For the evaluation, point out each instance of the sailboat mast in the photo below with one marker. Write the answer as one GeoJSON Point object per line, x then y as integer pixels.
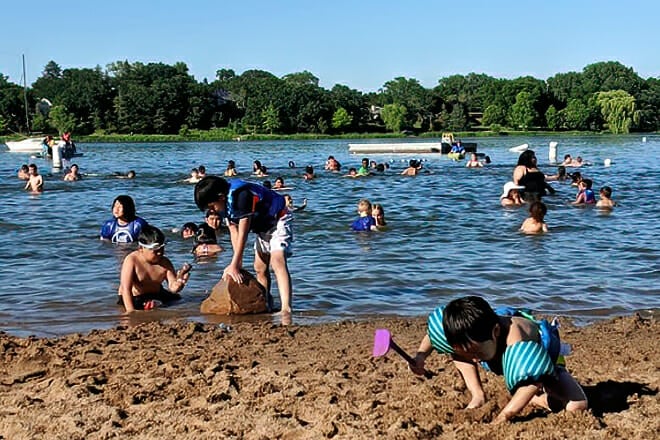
{"type": "Point", "coordinates": [25, 100]}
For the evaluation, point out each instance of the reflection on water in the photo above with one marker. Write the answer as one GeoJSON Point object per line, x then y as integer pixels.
{"type": "Point", "coordinates": [446, 235]}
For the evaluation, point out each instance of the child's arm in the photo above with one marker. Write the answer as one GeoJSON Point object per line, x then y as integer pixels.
{"type": "Point", "coordinates": [424, 350]}
{"type": "Point", "coordinates": [175, 281]}
{"type": "Point", "coordinates": [470, 375]}
{"type": "Point", "coordinates": [126, 283]}
{"type": "Point", "coordinates": [520, 399]}
{"type": "Point", "coordinates": [580, 198]}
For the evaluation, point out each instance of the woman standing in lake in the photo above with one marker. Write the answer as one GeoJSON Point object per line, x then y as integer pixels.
{"type": "Point", "coordinates": [527, 174]}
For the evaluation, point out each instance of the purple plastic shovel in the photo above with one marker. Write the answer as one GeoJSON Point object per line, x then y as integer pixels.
{"type": "Point", "coordinates": [383, 342]}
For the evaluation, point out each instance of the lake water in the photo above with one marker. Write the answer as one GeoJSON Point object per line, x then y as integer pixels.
{"type": "Point", "coordinates": [447, 234]}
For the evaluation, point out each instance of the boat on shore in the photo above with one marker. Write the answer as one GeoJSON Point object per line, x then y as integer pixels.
{"type": "Point", "coordinates": [443, 147]}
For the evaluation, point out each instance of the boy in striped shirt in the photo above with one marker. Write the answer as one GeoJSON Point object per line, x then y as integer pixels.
{"type": "Point", "coordinates": [525, 351]}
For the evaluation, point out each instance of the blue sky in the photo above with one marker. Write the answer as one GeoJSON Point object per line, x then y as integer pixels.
{"type": "Point", "coordinates": [361, 44]}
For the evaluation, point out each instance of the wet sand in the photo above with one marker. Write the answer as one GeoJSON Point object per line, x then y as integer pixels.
{"type": "Point", "coordinates": [262, 381]}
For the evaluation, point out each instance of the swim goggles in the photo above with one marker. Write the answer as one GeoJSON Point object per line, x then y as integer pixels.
{"type": "Point", "coordinates": [152, 246]}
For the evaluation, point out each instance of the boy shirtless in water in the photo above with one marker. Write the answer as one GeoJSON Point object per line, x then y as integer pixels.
{"type": "Point", "coordinates": [144, 270]}
{"type": "Point", "coordinates": [35, 183]}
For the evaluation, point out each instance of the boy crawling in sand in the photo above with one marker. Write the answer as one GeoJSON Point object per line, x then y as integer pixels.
{"type": "Point", "coordinates": [525, 351]}
{"type": "Point", "coordinates": [144, 270]}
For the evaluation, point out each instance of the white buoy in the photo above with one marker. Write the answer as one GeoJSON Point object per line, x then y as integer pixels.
{"type": "Point", "coordinates": [607, 162]}
{"type": "Point", "coordinates": [552, 152]}
{"type": "Point", "coordinates": [644, 139]}
{"type": "Point", "coordinates": [57, 155]}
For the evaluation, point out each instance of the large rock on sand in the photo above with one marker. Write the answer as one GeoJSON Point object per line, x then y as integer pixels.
{"type": "Point", "coordinates": [230, 298]}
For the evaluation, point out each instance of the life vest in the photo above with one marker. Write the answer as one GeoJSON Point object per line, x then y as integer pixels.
{"type": "Point", "coordinates": [267, 205]}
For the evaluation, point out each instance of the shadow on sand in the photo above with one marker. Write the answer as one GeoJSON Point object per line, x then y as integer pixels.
{"type": "Point", "coordinates": [612, 396]}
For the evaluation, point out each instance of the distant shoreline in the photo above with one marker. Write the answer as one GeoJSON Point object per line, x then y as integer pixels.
{"type": "Point", "coordinates": [223, 136]}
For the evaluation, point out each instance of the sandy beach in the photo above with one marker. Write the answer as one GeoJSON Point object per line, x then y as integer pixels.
{"type": "Point", "coordinates": [262, 381]}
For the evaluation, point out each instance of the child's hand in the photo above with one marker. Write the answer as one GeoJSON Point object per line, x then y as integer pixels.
{"type": "Point", "coordinates": [418, 366]}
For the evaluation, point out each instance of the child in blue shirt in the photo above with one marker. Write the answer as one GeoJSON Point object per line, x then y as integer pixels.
{"type": "Point", "coordinates": [365, 222]}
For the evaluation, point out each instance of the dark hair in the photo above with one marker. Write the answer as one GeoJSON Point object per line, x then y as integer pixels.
{"type": "Point", "coordinates": [526, 158]}
{"type": "Point", "coordinates": [588, 183]}
{"type": "Point", "coordinates": [128, 204]}
{"type": "Point", "coordinates": [33, 165]}
{"type": "Point", "coordinates": [24, 167]}
{"type": "Point", "coordinates": [309, 169]}
{"type": "Point", "coordinates": [209, 189]}
{"type": "Point", "coordinates": [365, 159]}
{"type": "Point", "coordinates": [537, 211]}
{"type": "Point", "coordinates": [256, 165]}
{"type": "Point", "coordinates": [194, 170]}
{"type": "Point", "coordinates": [567, 156]}
{"type": "Point", "coordinates": [205, 235]}
{"type": "Point", "coordinates": [352, 169]}
{"type": "Point", "coordinates": [231, 164]}
{"type": "Point", "coordinates": [380, 168]}
{"type": "Point", "coordinates": [607, 191]}
{"type": "Point", "coordinates": [130, 172]}
{"type": "Point", "coordinates": [189, 225]}
{"type": "Point", "coordinates": [561, 172]}
{"type": "Point", "coordinates": [210, 212]}
{"type": "Point", "coordinates": [267, 184]}
{"type": "Point", "coordinates": [280, 178]}
{"type": "Point", "coordinates": [576, 176]}
{"type": "Point", "coordinates": [412, 163]}
{"type": "Point", "coordinates": [150, 235]}
{"type": "Point", "coordinates": [201, 169]}
{"type": "Point", "coordinates": [468, 319]}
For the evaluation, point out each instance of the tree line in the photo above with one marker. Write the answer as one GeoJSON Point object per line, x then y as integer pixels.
{"type": "Point", "coordinates": [156, 98]}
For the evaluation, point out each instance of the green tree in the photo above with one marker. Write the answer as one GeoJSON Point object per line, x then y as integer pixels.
{"type": "Point", "coordinates": [566, 86]}
{"type": "Point", "coordinates": [523, 113]}
{"type": "Point", "coordinates": [271, 118]}
{"type": "Point", "coordinates": [393, 115]}
{"type": "Point", "coordinates": [409, 93]}
{"type": "Point", "coordinates": [12, 108]}
{"type": "Point", "coordinates": [341, 119]}
{"type": "Point", "coordinates": [618, 110]}
{"type": "Point", "coordinates": [457, 118]}
{"type": "Point", "coordinates": [494, 114]}
{"type": "Point", "coordinates": [552, 118]}
{"type": "Point", "coordinates": [575, 116]}
{"type": "Point", "coordinates": [354, 102]}
{"type": "Point", "coordinates": [611, 75]}
{"type": "Point", "coordinates": [62, 120]}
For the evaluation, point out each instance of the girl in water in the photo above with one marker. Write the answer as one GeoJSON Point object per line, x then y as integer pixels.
{"type": "Point", "coordinates": [124, 226]}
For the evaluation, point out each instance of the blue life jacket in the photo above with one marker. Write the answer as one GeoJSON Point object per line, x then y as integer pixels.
{"type": "Point", "coordinates": [267, 205]}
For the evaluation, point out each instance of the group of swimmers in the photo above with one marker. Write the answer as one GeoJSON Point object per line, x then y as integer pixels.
{"type": "Point", "coordinates": [529, 184]}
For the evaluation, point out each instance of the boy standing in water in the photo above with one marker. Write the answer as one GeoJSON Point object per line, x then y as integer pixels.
{"type": "Point", "coordinates": [535, 223]}
{"type": "Point", "coordinates": [523, 350]}
{"type": "Point", "coordinates": [144, 270]}
{"type": "Point", "coordinates": [252, 207]}
{"type": "Point", "coordinates": [35, 183]}
{"type": "Point", "coordinates": [606, 201]}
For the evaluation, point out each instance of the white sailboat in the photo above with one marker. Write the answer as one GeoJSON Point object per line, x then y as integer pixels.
{"type": "Point", "coordinates": [29, 145]}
